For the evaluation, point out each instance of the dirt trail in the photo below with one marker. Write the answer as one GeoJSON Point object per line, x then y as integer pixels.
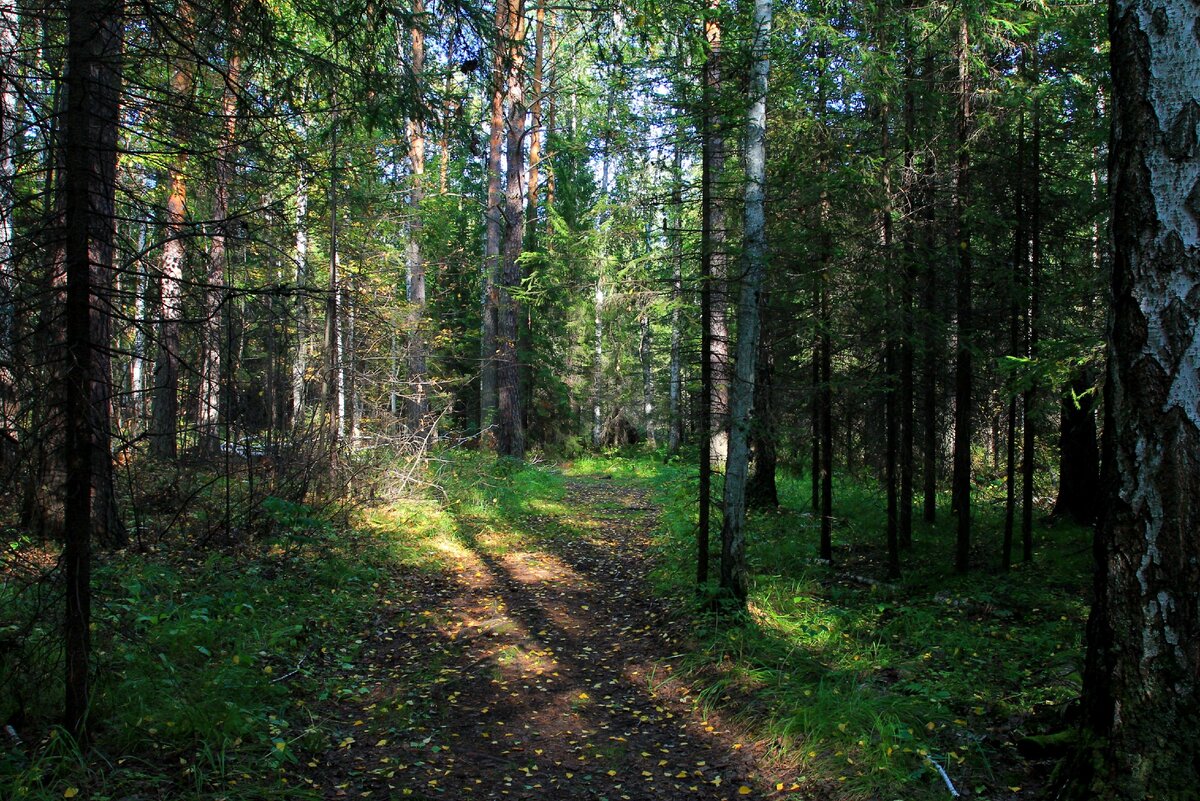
{"type": "Point", "coordinates": [547, 677]}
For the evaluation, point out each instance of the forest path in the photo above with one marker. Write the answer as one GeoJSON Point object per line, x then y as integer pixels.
{"type": "Point", "coordinates": [537, 668]}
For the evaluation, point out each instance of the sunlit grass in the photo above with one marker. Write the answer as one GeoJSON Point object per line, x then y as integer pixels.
{"type": "Point", "coordinates": [866, 679]}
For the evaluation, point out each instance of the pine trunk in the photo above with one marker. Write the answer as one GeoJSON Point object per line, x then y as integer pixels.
{"type": "Point", "coordinates": [165, 423]}
{"type": "Point", "coordinates": [511, 435]}
{"type": "Point", "coordinates": [417, 405]}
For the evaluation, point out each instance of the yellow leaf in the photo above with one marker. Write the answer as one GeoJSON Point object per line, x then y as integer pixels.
{"type": "Point", "coordinates": [1015, 789]}
{"type": "Point", "coordinates": [70, 792]}
{"type": "Point", "coordinates": [743, 790]}
{"type": "Point", "coordinates": [931, 725]}
{"type": "Point", "coordinates": [381, 744]}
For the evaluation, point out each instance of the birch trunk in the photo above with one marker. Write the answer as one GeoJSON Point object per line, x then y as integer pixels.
{"type": "Point", "coordinates": [733, 538]}
{"type": "Point", "coordinates": [300, 360]}
{"type": "Point", "coordinates": [1141, 692]}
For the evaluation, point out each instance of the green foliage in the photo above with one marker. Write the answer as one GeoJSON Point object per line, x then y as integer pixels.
{"type": "Point", "coordinates": [208, 663]}
{"type": "Point", "coordinates": [863, 680]}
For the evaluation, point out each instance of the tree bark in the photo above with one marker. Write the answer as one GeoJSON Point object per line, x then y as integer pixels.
{"type": "Point", "coordinates": [1141, 712]}
{"type": "Point", "coordinates": [717, 259]}
{"type": "Point", "coordinates": [417, 405]}
{"type": "Point", "coordinates": [489, 301]}
{"type": "Point", "coordinates": [208, 411]}
{"type": "Point", "coordinates": [647, 379]}
{"type": "Point", "coordinates": [333, 398]}
{"type": "Point", "coordinates": [89, 185]}
{"type": "Point", "coordinates": [1033, 322]}
{"type": "Point", "coordinates": [299, 363]}
{"type": "Point", "coordinates": [675, 431]}
{"type": "Point", "coordinates": [734, 579]}
{"type": "Point", "coordinates": [511, 434]}
{"type": "Point", "coordinates": [1020, 256]}
{"type": "Point", "coordinates": [962, 367]}
{"type": "Point", "coordinates": [165, 424]}
{"type": "Point", "coordinates": [907, 285]}
{"type": "Point", "coordinates": [761, 490]}
{"type": "Point", "coordinates": [9, 31]}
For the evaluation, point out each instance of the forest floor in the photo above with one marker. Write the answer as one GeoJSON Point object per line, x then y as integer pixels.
{"type": "Point", "coordinates": [539, 669]}
{"type": "Point", "coordinates": [534, 632]}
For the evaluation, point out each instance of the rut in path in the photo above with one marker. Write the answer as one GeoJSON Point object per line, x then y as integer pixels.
{"type": "Point", "coordinates": [549, 678]}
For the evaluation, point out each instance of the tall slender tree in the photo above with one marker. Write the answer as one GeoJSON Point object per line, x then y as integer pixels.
{"type": "Point", "coordinates": [89, 142]}
{"type": "Point", "coordinates": [963, 303]}
{"type": "Point", "coordinates": [511, 435]}
{"type": "Point", "coordinates": [165, 431]}
{"type": "Point", "coordinates": [754, 266]}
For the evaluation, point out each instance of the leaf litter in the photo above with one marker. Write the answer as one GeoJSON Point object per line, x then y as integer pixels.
{"type": "Point", "coordinates": [537, 673]}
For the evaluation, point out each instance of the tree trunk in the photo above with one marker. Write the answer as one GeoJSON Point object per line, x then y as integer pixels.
{"type": "Point", "coordinates": [9, 31]}
{"type": "Point", "coordinates": [1141, 711]}
{"type": "Point", "coordinates": [332, 380]}
{"type": "Point", "coordinates": [891, 347]}
{"type": "Point", "coordinates": [717, 258]}
{"type": "Point", "coordinates": [1020, 256]}
{"type": "Point", "coordinates": [89, 187]}
{"type": "Point", "coordinates": [1029, 400]}
{"type": "Point", "coordinates": [299, 364]}
{"type": "Point", "coordinates": [165, 423]}
{"type": "Point", "coordinates": [907, 285]}
{"type": "Point", "coordinates": [675, 432]}
{"type": "Point", "coordinates": [761, 490]}
{"type": "Point", "coordinates": [511, 435]}
{"type": "Point", "coordinates": [493, 231]}
{"type": "Point", "coordinates": [1079, 455]}
{"type": "Point", "coordinates": [962, 367]}
{"type": "Point", "coordinates": [734, 579]}
{"type": "Point", "coordinates": [417, 406]}
{"type": "Point", "coordinates": [647, 379]}
{"type": "Point", "coordinates": [208, 411]}
{"type": "Point", "coordinates": [598, 363]}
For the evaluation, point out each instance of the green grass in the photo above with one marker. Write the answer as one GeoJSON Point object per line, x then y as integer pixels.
{"type": "Point", "coordinates": [214, 668]}
{"type": "Point", "coordinates": [207, 665]}
{"type": "Point", "coordinates": [864, 681]}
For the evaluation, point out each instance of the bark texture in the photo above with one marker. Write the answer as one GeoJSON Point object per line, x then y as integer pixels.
{"type": "Point", "coordinates": [1142, 675]}
{"type": "Point", "coordinates": [754, 263]}
{"type": "Point", "coordinates": [510, 439]}
{"type": "Point", "coordinates": [89, 187]}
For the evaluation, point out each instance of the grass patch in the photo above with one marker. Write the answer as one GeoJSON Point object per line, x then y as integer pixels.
{"type": "Point", "coordinates": [209, 665]}
{"type": "Point", "coordinates": [865, 681]}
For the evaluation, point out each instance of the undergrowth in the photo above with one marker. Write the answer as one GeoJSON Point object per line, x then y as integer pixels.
{"type": "Point", "coordinates": [214, 665]}
{"type": "Point", "coordinates": [871, 684]}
